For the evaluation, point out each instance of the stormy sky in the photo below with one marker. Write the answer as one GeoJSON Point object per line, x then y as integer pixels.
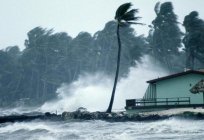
{"type": "Point", "coordinates": [17, 17]}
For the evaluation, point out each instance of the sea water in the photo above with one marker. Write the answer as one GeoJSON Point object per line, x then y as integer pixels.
{"type": "Point", "coordinates": [93, 92]}
{"type": "Point", "coordinates": [101, 130]}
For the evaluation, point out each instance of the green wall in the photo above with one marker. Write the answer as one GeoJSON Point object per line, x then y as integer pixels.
{"type": "Point", "coordinates": [179, 87]}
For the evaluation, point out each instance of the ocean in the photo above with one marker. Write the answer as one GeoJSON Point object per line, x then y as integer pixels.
{"type": "Point", "coordinates": [179, 129]}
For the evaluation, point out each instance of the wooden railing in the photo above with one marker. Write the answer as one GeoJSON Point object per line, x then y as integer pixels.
{"type": "Point", "coordinates": [158, 101]}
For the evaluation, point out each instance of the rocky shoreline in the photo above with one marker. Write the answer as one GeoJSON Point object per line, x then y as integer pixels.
{"type": "Point", "coordinates": [82, 114]}
{"type": "Point", "coordinates": [123, 116]}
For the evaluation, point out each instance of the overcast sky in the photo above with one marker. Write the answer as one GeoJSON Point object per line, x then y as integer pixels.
{"type": "Point", "coordinates": [17, 17]}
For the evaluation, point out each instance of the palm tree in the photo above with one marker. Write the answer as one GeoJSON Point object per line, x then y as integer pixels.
{"type": "Point", "coordinates": [124, 17]}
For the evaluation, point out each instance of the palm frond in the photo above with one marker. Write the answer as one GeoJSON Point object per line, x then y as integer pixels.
{"type": "Point", "coordinates": [122, 10]}
{"type": "Point", "coordinates": [157, 8]}
{"type": "Point", "coordinates": [130, 15]}
{"type": "Point", "coordinates": [130, 22]}
{"type": "Point", "coordinates": [126, 19]}
{"type": "Point", "coordinates": [130, 18]}
{"type": "Point", "coordinates": [126, 16]}
{"type": "Point", "coordinates": [133, 11]}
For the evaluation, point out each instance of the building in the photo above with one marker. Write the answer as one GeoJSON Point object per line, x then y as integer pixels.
{"type": "Point", "coordinates": [172, 91]}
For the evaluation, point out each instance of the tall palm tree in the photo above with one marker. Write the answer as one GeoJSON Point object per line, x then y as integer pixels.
{"type": "Point", "coordinates": [124, 17]}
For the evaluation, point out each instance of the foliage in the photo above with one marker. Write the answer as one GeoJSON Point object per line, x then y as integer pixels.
{"type": "Point", "coordinates": [194, 40]}
{"type": "Point", "coordinates": [32, 76]}
{"type": "Point", "coordinates": [124, 17]}
{"type": "Point", "coordinates": [165, 37]}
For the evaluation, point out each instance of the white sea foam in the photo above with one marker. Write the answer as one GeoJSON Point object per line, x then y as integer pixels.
{"type": "Point", "coordinates": [93, 91]}
{"type": "Point", "coordinates": [102, 130]}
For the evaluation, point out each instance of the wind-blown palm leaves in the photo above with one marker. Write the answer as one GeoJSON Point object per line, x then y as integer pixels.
{"type": "Point", "coordinates": [194, 39]}
{"type": "Point", "coordinates": [165, 37]}
{"type": "Point", "coordinates": [124, 17]}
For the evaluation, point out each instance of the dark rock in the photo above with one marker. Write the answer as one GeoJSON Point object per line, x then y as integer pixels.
{"type": "Point", "coordinates": [83, 114]}
{"type": "Point", "coordinates": [200, 115]}
{"type": "Point", "coordinates": [18, 118]}
{"type": "Point", "coordinates": [81, 109]}
{"type": "Point", "coordinates": [47, 114]}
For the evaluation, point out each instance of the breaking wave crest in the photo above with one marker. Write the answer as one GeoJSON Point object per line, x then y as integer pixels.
{"type": "Point", "coordinates": [93, 91]}
{"type": "Point", "coordinates": [102, 130]}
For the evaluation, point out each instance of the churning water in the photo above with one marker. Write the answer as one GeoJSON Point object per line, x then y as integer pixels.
{"type": "Point", "coordinates": [93, 92]}
{"type": "Point", "coordinates": [101, 130]}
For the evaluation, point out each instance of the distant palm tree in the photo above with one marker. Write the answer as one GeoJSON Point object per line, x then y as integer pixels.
{"type": "Point", "coordinates": [124, 17]}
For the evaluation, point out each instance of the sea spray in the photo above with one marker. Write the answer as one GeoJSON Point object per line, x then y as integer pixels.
{"type": "Point", "coordinates": [173, 128]}
{"type": "Point", "coordinates": [93, 91]}
{"type": "Point", "coordinates": [88, 91]}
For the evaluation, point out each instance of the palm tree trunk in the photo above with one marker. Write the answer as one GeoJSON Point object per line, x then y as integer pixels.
{"type": "Point", "coordinates": [117, 72]}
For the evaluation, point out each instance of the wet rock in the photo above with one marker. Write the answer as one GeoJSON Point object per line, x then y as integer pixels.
{"type": "Point", "coordinates": [48, 114]}
{"type": "Point", "coordinates": [200, 115]}
{"type": "Point", "coordinates": [18, 118]}
{"type": "Point", "coordinates": [81, 109]}
{"type": "Point", "coordinates": [51, 116]}
{"type": "Point", "coordinates": [99, 115]}
{"type": "Point", "coordinates": [190, 115]}
{"type": "Point", "coordinates": [83, 114]}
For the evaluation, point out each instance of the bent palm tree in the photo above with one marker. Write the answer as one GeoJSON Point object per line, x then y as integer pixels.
{"type": "Point", "coordinates": [124, 17]}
